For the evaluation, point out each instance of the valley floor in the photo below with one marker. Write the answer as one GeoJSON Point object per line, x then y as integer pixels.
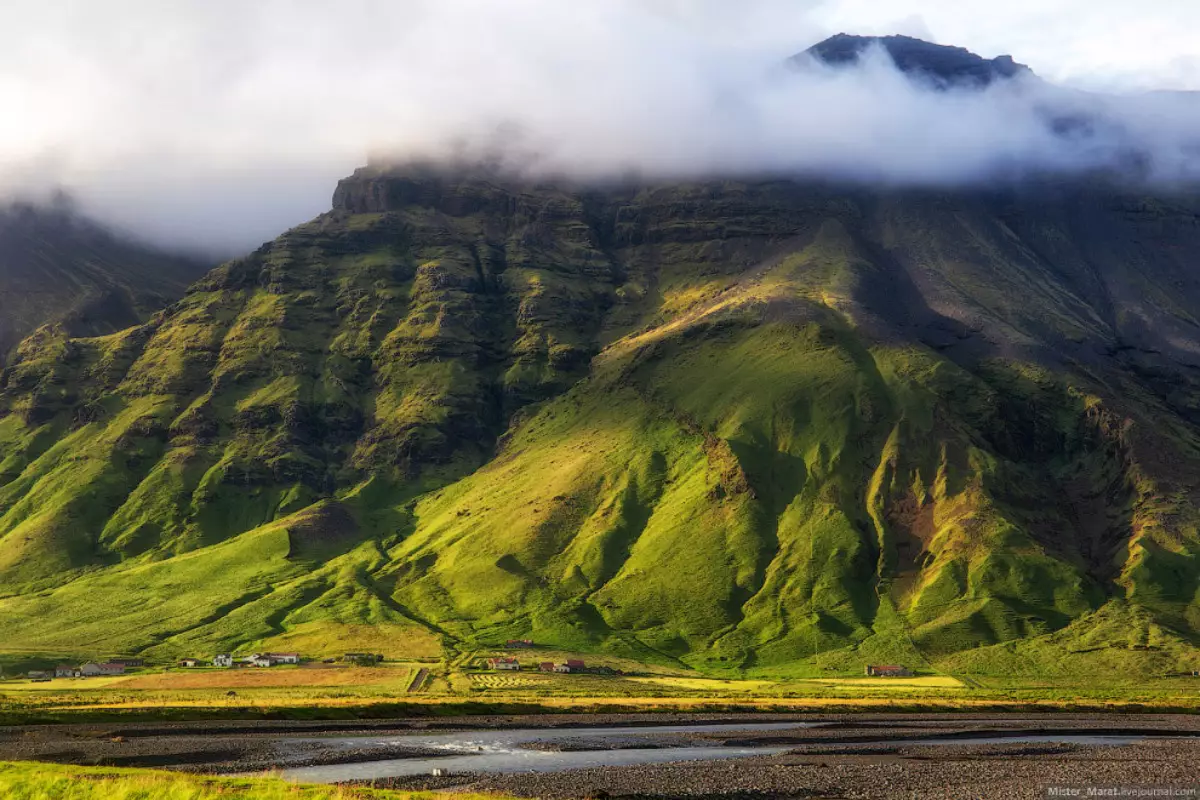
{"type": "Point", "coordinates": [338, 722]}
{"type": "Point", "coordinates": [463, 685]}
{"type": "Point", "coordinates": [394, 689]}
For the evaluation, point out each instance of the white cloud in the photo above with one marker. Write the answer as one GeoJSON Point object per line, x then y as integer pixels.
{"type": "Point", "coordinates": [223, 122]}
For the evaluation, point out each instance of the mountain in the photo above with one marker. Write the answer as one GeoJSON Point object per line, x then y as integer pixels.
{"type": "Point", "coordinates": [940, 65]}
{"type": "Point", "coordinates": [770, 426]}
{"type": "Point", "coordinates": [739, 424]}
{"type": "Point", "coordinates": [57, 266]}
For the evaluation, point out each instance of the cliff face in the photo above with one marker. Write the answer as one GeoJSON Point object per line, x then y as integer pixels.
{"type": "Point", "coordinates": [739, 424]}
{"type": "Point", "coordinates": [57, 267]}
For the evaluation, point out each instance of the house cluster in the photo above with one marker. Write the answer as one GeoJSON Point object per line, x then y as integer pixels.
{"type": "Point", "coordinates": [255, 660]}
{"type": "Point", "coordinates": [90, 669]}
{"type": "Point", "coordinates": [570, 665]}
{"type": "Point", "coordinates": [888, 671]}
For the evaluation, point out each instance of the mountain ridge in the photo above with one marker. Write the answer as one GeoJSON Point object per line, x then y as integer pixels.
{"type": "Point", "coordinates": [943, 65]}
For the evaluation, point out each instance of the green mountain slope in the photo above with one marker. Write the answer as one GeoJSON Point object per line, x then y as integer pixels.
{"type": "Point", "coordinates": [57, 267]}
{"type": "Point", "coordinates": [754, 426]}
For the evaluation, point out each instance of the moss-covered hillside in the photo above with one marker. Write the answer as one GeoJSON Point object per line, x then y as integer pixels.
{"type": "Point", "coordinates": [761, 426]}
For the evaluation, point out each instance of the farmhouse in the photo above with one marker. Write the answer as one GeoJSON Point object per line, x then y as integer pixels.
{"type": "Point", "coordinates": [66, 671]}
{"type": "Point", "coordinates": [284, 658]}
{"type": "Point", "coordinates": [110, 668]}
{"type": "Point", "coordinates": [261, 660]}
{"type": "Point", "coordinates": [546, 666]}
{"type": "Point", "coordinates": [189, 662]}
{"type": "Point", "coordinates": [888, 671]}
{"type": "Point", "coordinates": [40, 675]}
{"type": "Point", "coordinates": [222, 660]}
{"type": "Point", "coordinates": [504, 662]}
{"type": "Point", "coordinates": [92, 669]}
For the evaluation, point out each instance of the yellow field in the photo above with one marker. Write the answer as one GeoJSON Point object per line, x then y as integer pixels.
{"type": "Point", "coordinates": [922, 682]}
{"type": "Point", "coordinates": [705, 684]}
{"type": "Point", "coordinates": [273, 677]}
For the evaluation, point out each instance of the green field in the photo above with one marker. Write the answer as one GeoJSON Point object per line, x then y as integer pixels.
{"type": "Point", "coordinates": [28, 781]}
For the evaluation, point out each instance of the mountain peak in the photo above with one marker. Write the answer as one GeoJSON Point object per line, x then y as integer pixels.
{"type": "Point", "coordinates": [944, 65]}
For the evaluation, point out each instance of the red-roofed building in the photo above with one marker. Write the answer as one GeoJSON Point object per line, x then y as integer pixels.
{"type": "Point", "coordinates": [504, 663]}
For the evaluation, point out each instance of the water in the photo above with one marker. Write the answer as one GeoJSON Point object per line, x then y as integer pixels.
{"type": "Point", "coordinates": [491, 739]}
{"type": "Point", "coordinates": [500, 750]}
{"type": "Point", "coordinates": [519, 761]}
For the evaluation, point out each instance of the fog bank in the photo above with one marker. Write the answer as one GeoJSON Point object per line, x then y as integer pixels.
{"type": "Point", "coordinates": [217, 125]}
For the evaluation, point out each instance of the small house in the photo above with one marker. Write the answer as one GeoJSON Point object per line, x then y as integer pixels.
{"type": "Point", "coordinates": [576, 665]}
{"type": "Point", "coordinates": [66, 671]}
{"type": "Point", "coordinates": [284, 658]}
{"type": "Point", "coordinates": [546, 666]}
{"type": "Point", "coordinates": [189, 662]}
{"type": "Point", "coordinates": [92, 669]}
{"type": "Point", "coordinates": [223, 660]}
{"type": "Point", "coordinates": [503, 663]}
{"type": "Point", "coordinates": [40, 675]}
{"type": "Point", "coordinates": [562, 668]}
{"type": "Point", "coordinates": [888, 671]}
{"type": "Point", "coordinates": [261, 660]}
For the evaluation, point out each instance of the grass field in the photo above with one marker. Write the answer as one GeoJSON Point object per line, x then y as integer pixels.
{"type": "Point", "coordinates": [30, 781]}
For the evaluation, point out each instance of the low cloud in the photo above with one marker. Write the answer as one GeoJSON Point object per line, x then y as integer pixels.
{"type": "Point", "coordinates": [217, 125]}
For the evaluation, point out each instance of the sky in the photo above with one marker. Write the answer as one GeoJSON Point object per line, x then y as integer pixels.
{"type": "Point", "coordinates": [216, 124]}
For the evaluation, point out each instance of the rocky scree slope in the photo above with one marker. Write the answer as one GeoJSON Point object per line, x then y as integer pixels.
{"type": "Point", "coordinates": [753, 426]}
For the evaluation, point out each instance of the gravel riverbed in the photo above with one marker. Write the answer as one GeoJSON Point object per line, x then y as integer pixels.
{"type": "Point", "coordinates": [844, 756]}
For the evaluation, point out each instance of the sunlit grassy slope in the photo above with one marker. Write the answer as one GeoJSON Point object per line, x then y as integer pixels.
{"type": "Point", "coordinates": [766, 428]}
